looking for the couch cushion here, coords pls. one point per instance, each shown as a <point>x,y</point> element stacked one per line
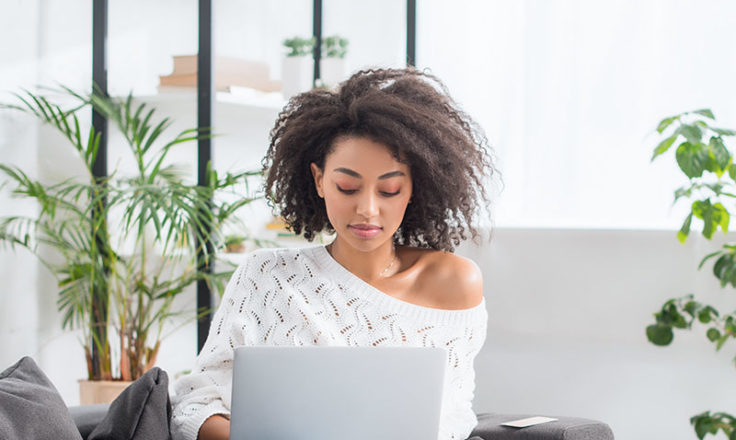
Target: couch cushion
<point>141,411</point>
<point>31,407</point>
<point>87,417</point>
<point>565,428</point>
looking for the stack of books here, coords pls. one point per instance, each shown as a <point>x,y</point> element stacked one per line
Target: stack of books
<point>228,71</point>
<point>279,225</point>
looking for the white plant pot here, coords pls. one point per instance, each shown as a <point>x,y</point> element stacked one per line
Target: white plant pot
<point>296,75</point>
<point>332,71</point>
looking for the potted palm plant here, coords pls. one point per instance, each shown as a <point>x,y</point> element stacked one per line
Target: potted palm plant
<point>127,244</point>
<point>703,157</point>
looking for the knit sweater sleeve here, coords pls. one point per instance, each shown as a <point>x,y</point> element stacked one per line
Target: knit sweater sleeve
<point>206,391</point>
<point>459,417</point>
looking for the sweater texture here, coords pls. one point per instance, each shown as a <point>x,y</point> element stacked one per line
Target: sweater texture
<point>302,296</point>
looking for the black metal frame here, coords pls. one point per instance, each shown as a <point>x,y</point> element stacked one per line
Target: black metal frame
<point>317,34</point>
<point>99,80</point>
<point>411,32</point>
<point>99,167</point>
<point>205,118</point>
<point>205,101</point>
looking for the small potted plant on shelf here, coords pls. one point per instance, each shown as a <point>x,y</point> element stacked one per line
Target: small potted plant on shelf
<point>125,245</point>
<point>704,158</point>
<point>297,69</point>
<point>332,65</point>
<point>234,243</point>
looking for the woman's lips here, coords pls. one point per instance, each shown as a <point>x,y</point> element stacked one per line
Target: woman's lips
<point>365,231</point>
<point>365,226</point>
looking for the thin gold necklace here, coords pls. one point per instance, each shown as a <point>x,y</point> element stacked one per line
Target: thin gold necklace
<point>393,260</point>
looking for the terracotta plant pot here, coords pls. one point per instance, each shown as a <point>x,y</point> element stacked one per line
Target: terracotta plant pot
<point>100,391</point>
<point>235,248</point>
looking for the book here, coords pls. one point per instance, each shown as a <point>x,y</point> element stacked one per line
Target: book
<point>276,223</point>
<point>222,81</point>
<point>185,64</point>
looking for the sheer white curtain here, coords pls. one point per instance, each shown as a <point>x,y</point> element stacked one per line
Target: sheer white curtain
<point>570,91</point>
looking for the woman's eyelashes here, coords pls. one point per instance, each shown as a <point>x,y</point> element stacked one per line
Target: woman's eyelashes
<point>351,191</point>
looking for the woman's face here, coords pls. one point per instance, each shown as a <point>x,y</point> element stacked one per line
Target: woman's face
<point>366,191</point>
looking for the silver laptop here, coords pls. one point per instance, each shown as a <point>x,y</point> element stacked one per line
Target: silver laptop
<point>330,393</point>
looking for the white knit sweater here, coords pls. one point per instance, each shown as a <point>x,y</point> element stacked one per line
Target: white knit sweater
<point>305,297</point>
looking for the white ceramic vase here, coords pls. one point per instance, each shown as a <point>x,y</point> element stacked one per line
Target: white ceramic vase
<point>296,75</point>
<point>332,71</point>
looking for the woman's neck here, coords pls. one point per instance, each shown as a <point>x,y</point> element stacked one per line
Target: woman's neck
<point>371,266</point>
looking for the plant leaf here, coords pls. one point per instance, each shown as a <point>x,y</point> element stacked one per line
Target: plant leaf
<point>692,133</point>
<point>705,112</point>
<point>659,334</point>
<point>692,159</point>
<point>713,334</point>
<point>721,216</point>
<point>685,229</point>
<point>719,154</point>
<point>708,257</point>
<point>724,131</point>
<point>664,123</point>
<point>664,146</point>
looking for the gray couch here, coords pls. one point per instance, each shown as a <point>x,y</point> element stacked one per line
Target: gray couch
<point>31,408</point>
<point>489,426</point>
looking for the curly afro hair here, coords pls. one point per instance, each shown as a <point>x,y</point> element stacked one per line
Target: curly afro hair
<point>412,113</point>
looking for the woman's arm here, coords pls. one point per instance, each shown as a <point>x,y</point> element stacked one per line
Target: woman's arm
<point>206,390</point>
<point>216,427</point>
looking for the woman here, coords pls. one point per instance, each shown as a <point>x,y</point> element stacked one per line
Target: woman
<point>392,167</point>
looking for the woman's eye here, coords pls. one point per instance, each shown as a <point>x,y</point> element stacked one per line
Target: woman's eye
<point>351,191</point>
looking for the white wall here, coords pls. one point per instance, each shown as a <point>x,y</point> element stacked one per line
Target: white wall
<point>570,93</point>
<point>567,308</point>
<point>18,146</point>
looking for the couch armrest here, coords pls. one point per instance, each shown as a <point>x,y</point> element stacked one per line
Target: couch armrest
<point>564,428</point>
<point>87,417</point>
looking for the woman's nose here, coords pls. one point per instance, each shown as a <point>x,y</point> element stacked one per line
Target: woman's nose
<point>368,205</point>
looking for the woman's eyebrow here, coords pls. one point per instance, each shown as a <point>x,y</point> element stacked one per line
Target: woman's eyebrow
<point>350,172</point>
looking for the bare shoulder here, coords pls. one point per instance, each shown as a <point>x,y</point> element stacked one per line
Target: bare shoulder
<point>457,282</point>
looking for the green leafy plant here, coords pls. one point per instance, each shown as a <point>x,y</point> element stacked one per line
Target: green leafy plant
<point>299,46</point>
<point>701,154</point>
<point>124,246</point>
<point>334,47</point>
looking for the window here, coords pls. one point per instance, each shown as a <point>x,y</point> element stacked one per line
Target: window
<point>570,92</point>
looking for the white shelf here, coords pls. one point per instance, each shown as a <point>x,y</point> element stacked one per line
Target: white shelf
<point>251,98</point>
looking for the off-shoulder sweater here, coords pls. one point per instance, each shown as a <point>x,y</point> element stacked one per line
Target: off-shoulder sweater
<point>302,296</point>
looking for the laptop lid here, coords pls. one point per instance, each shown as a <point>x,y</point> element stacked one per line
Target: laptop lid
<point>330,393</point>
